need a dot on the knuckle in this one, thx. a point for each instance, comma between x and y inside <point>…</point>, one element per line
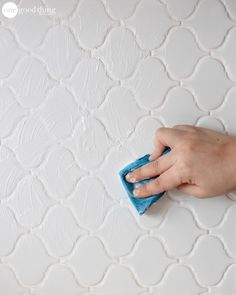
<point>177,176</point>
<point>155,165</point>
<point>185,126</point>
<point>138,173</point>
<point>185,170</point>
<point>160,130</point>
<point>144,190</point>
<point>178,126</point>
<point>160,184</point>
<point>194,130</point>
<point>188,147</point>
<point>191,127</point>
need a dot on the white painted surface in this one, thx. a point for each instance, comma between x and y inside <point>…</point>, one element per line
<point>81,94</point>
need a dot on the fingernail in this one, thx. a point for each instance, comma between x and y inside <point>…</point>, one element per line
<point>136,192</point>
<point>130,177</point>
<point>150,157</point>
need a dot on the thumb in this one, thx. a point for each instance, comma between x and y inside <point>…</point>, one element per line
<point>191,189</point>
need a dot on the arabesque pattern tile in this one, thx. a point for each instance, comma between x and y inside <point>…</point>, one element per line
<point>81,95</point>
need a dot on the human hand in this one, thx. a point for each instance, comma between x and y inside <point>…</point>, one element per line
<point>201,162</point>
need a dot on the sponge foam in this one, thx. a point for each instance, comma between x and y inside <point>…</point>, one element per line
<point>141,204</point>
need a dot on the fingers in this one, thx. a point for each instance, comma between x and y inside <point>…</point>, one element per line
<point>168,136</point>
<point>168,180</point>
<point>159,149</point>
<point>151,169</point>
<point>165,137</point>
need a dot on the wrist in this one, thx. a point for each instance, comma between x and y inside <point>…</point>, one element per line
<point>230,152</point>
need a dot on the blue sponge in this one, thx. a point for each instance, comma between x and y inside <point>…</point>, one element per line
<point>141,204</point>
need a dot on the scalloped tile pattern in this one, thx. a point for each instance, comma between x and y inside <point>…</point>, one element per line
<point>81,95</point>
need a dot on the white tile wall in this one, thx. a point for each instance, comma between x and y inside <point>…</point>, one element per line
<point>81,94</point>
